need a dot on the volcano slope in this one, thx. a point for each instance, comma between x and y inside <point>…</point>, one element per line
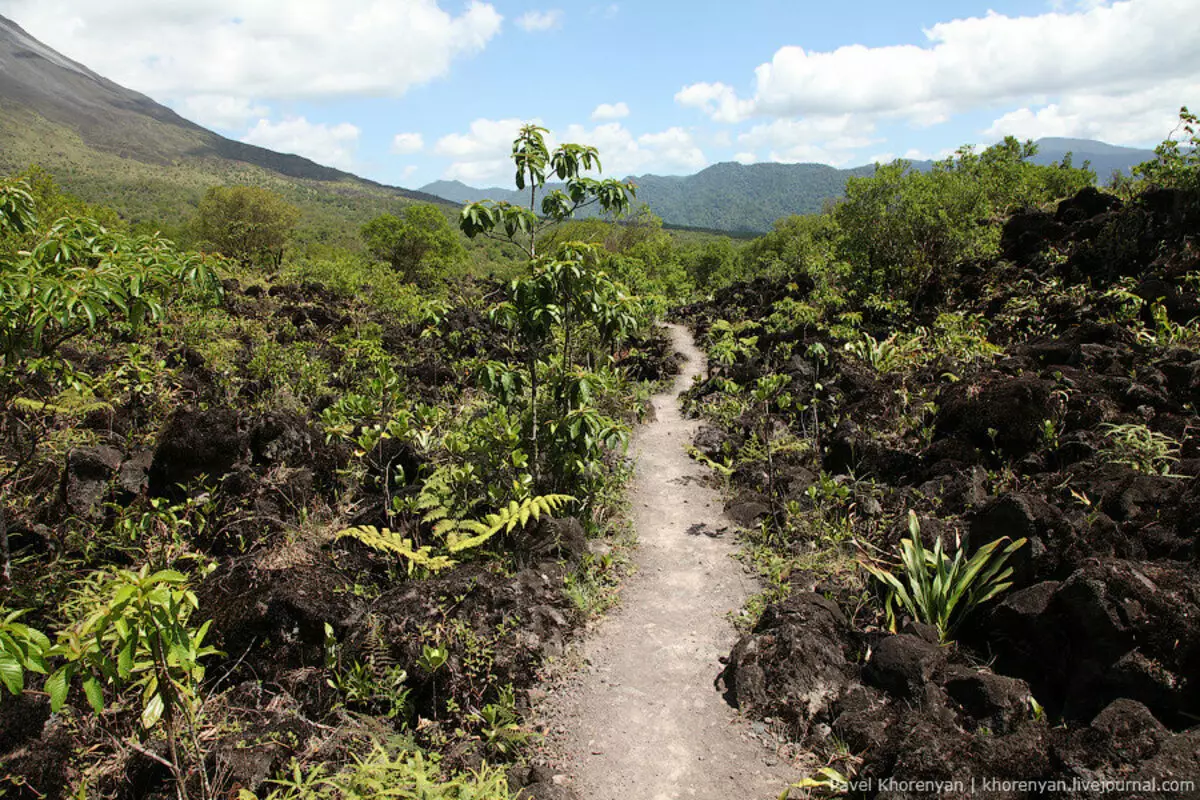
<point>1058,403</point>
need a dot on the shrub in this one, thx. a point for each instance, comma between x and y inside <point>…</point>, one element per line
<point>1140,448</point>
<point>942,590</point>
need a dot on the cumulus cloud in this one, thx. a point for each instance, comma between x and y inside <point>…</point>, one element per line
<point>220,111</point>
<point>333,145</point>
<point>481,155</point>
<point>1109,69</point>
<point>745,158</point>
<point>407,143</point>
<point>1134,118</point>
<point>822,140</point>
<point>607,111</point>
<point>304,49</point>
<point>538,21</point>
<point>971,63</point>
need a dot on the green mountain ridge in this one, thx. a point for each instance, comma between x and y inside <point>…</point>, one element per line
<point>110,145</point>
<point>749,198</point>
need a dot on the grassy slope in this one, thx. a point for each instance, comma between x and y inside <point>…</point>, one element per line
<point>166,194</point>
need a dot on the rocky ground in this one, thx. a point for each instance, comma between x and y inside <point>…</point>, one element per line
<point>1086,670</point>
<point>294,610</point>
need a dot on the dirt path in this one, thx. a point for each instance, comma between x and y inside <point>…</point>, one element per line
<point>644,720</point>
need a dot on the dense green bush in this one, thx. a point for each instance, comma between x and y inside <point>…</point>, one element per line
<point>903,230</point>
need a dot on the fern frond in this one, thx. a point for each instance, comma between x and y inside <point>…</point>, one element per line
<point>67,404</point>
<point>506,519</point>
<point>387,541</point>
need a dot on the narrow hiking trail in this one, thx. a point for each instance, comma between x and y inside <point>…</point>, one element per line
<point>643,719</point>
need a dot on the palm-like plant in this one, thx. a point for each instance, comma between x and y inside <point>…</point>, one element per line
<point>939,589</point>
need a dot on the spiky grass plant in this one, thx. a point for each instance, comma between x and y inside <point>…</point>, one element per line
<point>939,589</point>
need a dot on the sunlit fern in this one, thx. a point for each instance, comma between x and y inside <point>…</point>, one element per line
<point>385,540</point>
<point>466,534</point>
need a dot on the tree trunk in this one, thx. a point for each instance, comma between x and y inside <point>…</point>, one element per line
<point>5,555</point>
<point>533,403</point>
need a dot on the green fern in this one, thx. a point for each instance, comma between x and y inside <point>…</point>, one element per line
<point>468,534</point>
<point>68,404</point>
<point>458,534</point>
<point>388,541</point>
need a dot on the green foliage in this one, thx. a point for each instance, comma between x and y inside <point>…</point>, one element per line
<point>461,535</point>
<point>1178,162</point>
<point>942,591</point>
<point>386,772</point>
<point>1140,448</point>
<point>418,244</point>
<point>891,354</point>
<point>78,276</point>
<point>356,276</point>
<point>136,635</point>
<point>458,535</point>
<point>712,265</point>
<point>246,223</point>
<point>22,649</point>
<point>499,726</point>
<point>521,225</point>
<point>417,559</point>
<point>903,230</point>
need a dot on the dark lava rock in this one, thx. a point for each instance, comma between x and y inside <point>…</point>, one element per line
<point>21,719</point>
<point>904,665</point>
<point>711,442</point>
<point>277,617</point>
<point>86,479</point>
<point>797,661</point>
<point>551,539</point>
<point>994,701</point>
<point>1028,233</point>
<point>514,622</point>
<point>42,768</point>
<point>1024,516</point>
<point>1113,629</point>
<point>1087,203</point>
<point>134,478</point>
<point>1003,412</point>
<point>196,443</point>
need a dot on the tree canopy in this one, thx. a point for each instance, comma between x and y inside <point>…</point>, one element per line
<point>247,223</point>
<point>417,244</point>
<point>521,226</point>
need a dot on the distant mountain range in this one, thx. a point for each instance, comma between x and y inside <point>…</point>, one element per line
<point>749,198</point>
<point>114,146</point>
<point>117,147</point>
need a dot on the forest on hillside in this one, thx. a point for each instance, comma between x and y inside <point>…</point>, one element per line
<point>283,517</point>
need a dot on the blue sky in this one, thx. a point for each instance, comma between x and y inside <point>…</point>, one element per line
<point>411,91</point>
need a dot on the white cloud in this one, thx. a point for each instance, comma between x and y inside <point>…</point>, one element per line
<point>745,158</point>
<point>1136,118</point>
<point>404,144</point>
<point>330,145</point>
<point>715,99</point>
<point>481,155</point>
<point>537,21</point>
<point>409,171</point>
<point>974,63</point>
<point>822,140</point>
<point>234,49</point>
<point>608,111</point>
<point>221,111</point>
